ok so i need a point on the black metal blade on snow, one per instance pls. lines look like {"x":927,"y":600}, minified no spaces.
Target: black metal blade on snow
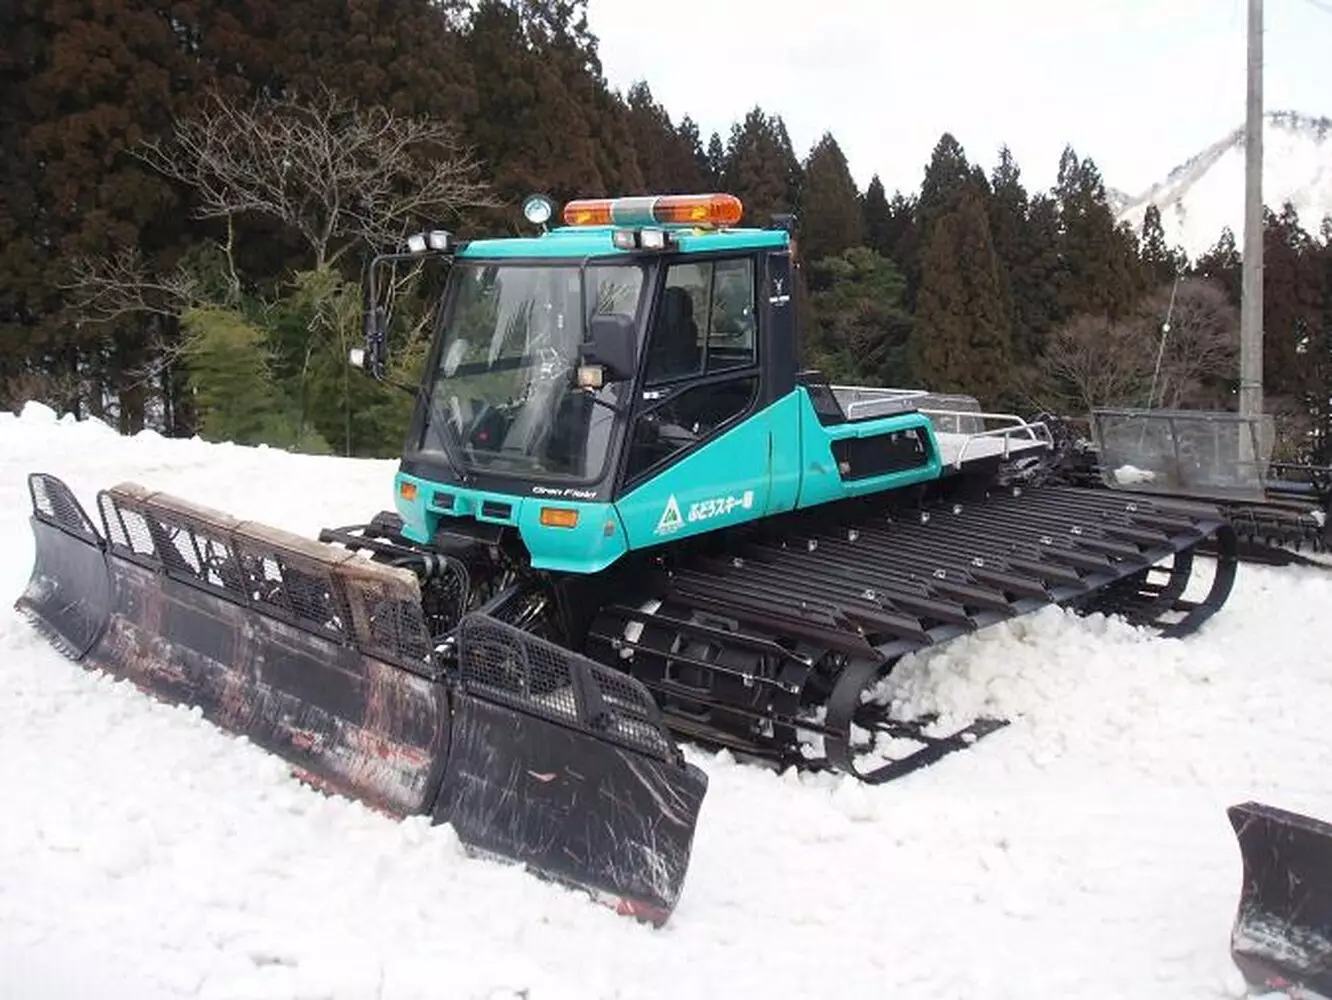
{"x":566,"y":765}
{"x":1282,"y":935}
{"x":68,"y":595}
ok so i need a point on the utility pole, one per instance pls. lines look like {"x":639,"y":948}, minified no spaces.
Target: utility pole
{"x":1251,"y":306}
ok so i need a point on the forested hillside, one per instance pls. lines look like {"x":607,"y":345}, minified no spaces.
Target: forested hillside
{"x":191,"y":191}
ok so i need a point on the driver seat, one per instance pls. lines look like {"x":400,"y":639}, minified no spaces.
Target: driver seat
{"x":674,"y":349}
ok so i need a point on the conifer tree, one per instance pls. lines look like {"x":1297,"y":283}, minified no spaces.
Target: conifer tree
{"x":700,"y":176}
{"x":948,"y":177}
{"x":1161,"y":263}
{"x":1222,"y":264}
{"x":528,"y":127}
{"x":903,"y":235}
{"x":1102,"y":274}
{"x":961,"y":340}
{"x":667,"y":156}
{"x":761,"y":168}
{"x":860,"y":328}
{"x":1036,"y":280}
{"x":1290,"y":308}
{"x":1320,"y":347}
{"x":96,"y":79}
{"x":1024,"y":231}
{"x":716,"y":161}
{"x":876,"y":218}
{"x":1007,"y":208}
{"x":231,"y":378}
{"x":830,"y":211}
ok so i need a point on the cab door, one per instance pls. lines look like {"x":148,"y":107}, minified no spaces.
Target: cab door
{"x":699,"y":454}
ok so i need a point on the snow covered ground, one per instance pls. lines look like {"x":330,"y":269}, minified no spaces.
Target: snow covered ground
{"x":1081,"y":852}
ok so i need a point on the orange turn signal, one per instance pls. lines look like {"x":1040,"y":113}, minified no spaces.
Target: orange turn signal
{"x":559,"y":517}
{"x":407,"y":490}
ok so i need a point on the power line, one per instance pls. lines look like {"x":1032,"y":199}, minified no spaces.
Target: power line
{"x":1322,"y":5}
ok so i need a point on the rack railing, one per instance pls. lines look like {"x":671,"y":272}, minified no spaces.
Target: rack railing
{"x":1036,"y":433}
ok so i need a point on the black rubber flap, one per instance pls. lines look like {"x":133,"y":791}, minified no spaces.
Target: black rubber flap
{"x":1282,"y":937}
{"x":68,"y":596}
{"x":565,"y":765}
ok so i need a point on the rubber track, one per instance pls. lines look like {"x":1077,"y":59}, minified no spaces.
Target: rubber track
{"x":882,"y":581}
{"x":872,"y":585}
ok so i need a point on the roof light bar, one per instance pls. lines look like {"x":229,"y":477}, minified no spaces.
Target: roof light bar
{"x":704,"y":210}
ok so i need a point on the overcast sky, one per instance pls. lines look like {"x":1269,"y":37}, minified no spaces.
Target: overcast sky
{"x":1139,"y":85}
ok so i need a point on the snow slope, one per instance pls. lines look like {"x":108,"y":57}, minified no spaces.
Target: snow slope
{"x":1206,"y":193}
{"x":1081,"y":852}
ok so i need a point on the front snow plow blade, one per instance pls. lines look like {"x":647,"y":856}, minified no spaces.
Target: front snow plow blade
{"x":322,"y":657}
{"x":551,"y":750}
{"x":68,"y":596}
{"x":1282,"y":937}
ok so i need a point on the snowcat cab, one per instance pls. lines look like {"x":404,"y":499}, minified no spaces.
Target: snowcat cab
{"x":623,"y":516}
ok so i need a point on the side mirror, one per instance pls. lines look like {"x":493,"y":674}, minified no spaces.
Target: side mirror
{"x":372,"y":358}
{"x":610,"y":347}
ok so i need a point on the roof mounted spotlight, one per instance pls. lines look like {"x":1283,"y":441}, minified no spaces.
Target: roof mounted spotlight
{"x":538,"y":210}
{"x":641,"y":239}
{"x":439,"y":240}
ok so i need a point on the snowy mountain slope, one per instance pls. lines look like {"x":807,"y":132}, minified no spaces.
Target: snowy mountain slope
{"x":1081,"y":852}
{"x":1206,"y":193}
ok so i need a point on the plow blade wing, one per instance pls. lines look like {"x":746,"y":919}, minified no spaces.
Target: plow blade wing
{"x":321,"y":657}
{"x":1282,"y":937}
{"x":68,"y":596}
{"x":565,"y":764}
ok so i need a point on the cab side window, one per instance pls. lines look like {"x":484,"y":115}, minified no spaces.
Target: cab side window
{"x":706,"y":321}
{"x":705,"y":330}
{"x":731,"y":325}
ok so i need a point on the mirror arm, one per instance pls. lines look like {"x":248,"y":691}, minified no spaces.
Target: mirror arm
{"x":618,"y":409}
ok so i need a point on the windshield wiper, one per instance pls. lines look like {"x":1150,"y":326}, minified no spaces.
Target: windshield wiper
{"x":436,"y":423}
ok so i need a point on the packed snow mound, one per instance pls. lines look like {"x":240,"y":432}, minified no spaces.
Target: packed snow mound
{"x":1205,"y":194}
{"x":1083,"y":851}
{"x":1131,"y":475}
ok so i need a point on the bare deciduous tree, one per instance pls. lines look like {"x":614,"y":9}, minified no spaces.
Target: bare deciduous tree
{"x":334,"y":172}
{"x":107,"y":288}
{"x":1201,"y":342}
{"x":1092,"y":362}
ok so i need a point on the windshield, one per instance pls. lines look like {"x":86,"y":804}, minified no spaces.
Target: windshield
{"x":504,"y":397}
